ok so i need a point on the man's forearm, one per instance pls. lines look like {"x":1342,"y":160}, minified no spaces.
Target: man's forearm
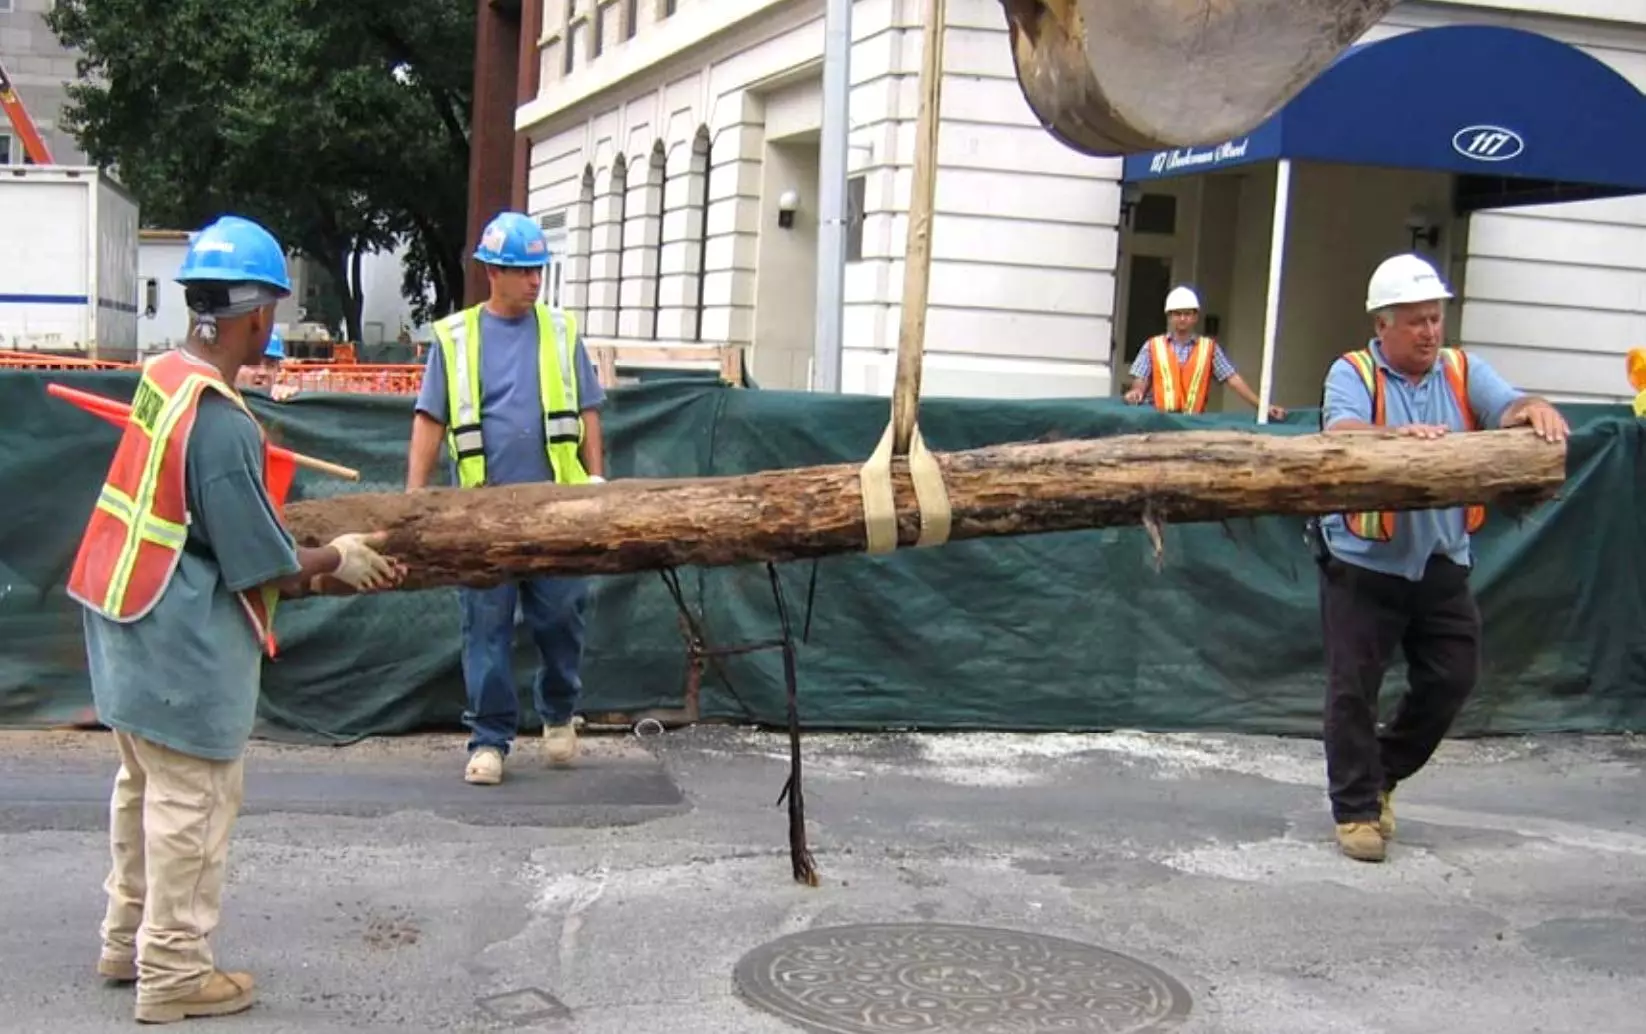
{"x":593,"y":450}
{"x":1244,"y":390}
{"x":310,"y":562}
{"x":424,"y":450}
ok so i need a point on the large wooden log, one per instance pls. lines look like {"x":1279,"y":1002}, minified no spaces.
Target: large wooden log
{"x":481,"y":536}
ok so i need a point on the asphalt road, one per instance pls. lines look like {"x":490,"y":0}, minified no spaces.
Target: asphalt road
{"x":371,"y":890}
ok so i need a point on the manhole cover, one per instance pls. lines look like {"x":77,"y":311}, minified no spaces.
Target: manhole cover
{"x":916,"y":977}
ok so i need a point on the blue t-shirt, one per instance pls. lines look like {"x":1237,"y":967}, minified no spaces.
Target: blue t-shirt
{"x":511,"y":407}
{"x":187,"y":674}
{"x":1419,"y":534}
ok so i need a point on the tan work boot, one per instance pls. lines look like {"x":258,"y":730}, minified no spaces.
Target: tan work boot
{"x":224,"y":993}
{"x":120,"y":971}
{"x":485,"y":767}
{"x":1386,"y":814}
{"x":1360,"y":841}
{"x":560,"y":743}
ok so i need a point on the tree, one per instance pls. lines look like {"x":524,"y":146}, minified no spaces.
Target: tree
{"x":343,"y":126}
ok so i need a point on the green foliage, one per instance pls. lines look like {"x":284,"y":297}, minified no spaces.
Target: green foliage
{"x":340,"y":124}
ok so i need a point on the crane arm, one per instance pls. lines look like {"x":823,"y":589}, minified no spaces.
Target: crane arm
{"x":34,"y":147}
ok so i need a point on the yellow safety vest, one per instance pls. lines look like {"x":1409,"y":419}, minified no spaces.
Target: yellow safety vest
{"x":459,"y":338}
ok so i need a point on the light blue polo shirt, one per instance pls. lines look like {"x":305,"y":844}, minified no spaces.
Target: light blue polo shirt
{"x":511,"y":410}
{"x":1419,"y":534}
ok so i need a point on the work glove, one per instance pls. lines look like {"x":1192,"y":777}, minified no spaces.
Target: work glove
{"x":362,"y":567}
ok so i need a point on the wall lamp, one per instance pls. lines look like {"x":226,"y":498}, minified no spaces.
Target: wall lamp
{"x":787,"y":203}
{"x":1422,"y":229}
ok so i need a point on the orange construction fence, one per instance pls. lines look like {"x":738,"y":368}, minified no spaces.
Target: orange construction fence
{"x":294,"y":378}
{"x":13,"y":360}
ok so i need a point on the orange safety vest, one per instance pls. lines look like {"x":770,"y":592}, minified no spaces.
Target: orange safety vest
{"x":1181,"y":387}
{"x":135,"y":537}
{"x":1379,"y":526}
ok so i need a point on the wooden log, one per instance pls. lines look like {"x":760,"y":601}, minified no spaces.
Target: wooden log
{"x":481,"y":536}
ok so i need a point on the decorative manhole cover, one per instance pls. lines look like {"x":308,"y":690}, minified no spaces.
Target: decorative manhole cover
{"x":917,"y":977}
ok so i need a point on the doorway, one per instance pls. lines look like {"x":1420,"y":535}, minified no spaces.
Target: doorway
{"x":785,"y":286}
{"x":1149,"y":280}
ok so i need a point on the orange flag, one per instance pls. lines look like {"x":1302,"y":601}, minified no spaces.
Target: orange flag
{"x":281,"y":465}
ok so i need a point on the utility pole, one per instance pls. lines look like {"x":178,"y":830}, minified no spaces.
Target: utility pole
{"x":831,"y":201}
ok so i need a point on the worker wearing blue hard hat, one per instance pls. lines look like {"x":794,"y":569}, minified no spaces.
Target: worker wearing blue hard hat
{"x":180,"y":569}
{"x":511,"y":391}
{"x":276,"y":348}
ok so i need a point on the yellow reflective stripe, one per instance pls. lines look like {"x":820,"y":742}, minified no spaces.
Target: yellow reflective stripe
{"x":175,"y":407}
{"x":1201,"y":357}
{"x":1165,"y":367}
{"x":118,"y":503}
{"x":1370,"y":524}
{"x":1362,"y":362}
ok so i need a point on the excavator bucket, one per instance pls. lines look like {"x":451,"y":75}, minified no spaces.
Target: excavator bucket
{"x":1111,"y":77}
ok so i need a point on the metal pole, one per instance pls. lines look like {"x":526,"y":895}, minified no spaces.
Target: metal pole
{"x":831,"y":200}
{"x":1271,"y":305}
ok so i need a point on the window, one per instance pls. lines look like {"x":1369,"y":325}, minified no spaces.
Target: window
{"x":631,"y":18}
{"x":856,"y":194}
{"x":5,"y":142}
{"x":5,"y":7}
{"x":571,"y":49}
{"x":554,"y":228}
{"x":1156,"y":213}
{"x":599,"y":43}
{"x":669,"y":7}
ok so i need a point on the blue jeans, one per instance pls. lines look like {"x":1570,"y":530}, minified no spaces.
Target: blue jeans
{"x":554,"y":609}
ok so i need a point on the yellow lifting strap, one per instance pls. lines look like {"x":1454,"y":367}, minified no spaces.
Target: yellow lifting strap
{"x":875,"y":476}
{"x":879,"y":498}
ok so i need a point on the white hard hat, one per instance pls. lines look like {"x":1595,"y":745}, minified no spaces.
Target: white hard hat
{"x":1402,"y":280}
{"x":1180,"y":299}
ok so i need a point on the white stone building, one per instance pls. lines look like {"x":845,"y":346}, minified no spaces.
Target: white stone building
{"x":665,"y":131}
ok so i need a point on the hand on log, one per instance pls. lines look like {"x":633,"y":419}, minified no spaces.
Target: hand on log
{"x":482,"y":536}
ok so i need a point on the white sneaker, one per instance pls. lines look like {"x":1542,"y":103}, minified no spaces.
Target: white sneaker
{"x":560,"y":743}
{"x":485,"y":767}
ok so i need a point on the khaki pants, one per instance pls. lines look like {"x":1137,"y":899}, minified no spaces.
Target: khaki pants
{"x":169,"y":823}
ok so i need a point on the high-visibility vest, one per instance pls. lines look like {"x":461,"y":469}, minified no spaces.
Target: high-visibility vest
{"x":1379,"y":526}
{"x":137,"y":531}
{"x":459,"y":338}
{"x":1181,"y":387}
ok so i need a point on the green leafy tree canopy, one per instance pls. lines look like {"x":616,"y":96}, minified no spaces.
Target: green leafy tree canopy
{"x":342,"y":125}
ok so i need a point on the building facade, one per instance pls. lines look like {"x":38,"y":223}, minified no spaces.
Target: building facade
{"x":41,"y":68}
{"x":665,"y":132}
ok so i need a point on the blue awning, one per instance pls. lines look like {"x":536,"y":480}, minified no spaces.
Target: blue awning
{"x":1476,"y":100}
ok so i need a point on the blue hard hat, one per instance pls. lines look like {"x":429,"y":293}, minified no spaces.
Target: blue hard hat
{"x":235,"y":250}
{"x":513,"y":239}
{"x":276,"y":348}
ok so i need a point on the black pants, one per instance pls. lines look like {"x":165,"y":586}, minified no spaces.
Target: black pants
{"x":1365,"y":615}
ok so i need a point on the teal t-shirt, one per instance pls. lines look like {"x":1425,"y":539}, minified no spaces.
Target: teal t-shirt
{"x":187,"y":674}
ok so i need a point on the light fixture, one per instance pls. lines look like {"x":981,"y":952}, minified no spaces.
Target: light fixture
{"x":1130,"y":195}
{"x":1422,"y":228}
{"x":787,"y":203}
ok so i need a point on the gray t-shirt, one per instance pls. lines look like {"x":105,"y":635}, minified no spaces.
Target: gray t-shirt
{"x":187,"y":675}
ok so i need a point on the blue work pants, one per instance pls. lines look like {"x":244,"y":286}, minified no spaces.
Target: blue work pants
{"x":554,"y":611}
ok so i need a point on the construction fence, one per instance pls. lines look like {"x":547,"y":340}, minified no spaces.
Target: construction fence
{"x":1068,"y":631}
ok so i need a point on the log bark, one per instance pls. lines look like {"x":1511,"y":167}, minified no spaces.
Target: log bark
{"x":482,"y":536}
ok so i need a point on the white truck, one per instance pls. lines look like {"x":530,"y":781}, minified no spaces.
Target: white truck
{"x":69,"y":281}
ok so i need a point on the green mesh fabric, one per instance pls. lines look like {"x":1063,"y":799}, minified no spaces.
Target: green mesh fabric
{"x":1062,"y":631}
